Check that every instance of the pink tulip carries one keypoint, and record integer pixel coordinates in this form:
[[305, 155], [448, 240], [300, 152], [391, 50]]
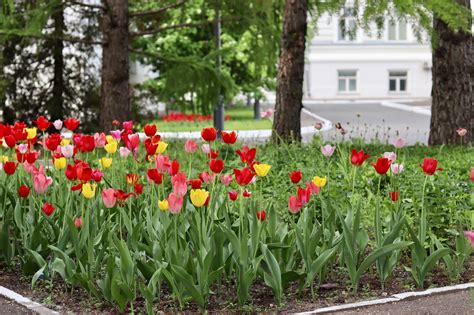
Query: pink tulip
[[116, 134], [23, 148], [41, 182], [100, 140], [124, 152], [67, 151], [108, 197], [399, 142], [206, 177], [397, 168], [226, 179], [29, 168], [58, 124], [180, 184], [190, 146], [294, 205], [470, 236], [392, 156], [472, 174], [162, 163], [175, 203], [128, 125], [327, 150], [314, 190], [461, 131], [267, 114], [206, 148]]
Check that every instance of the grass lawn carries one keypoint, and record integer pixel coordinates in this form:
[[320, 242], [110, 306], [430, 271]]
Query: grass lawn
[[241, 119]]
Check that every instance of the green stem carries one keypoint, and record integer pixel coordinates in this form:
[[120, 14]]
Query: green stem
[[423, 223]]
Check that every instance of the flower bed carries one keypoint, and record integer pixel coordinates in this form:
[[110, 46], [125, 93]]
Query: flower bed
[[125, 219]]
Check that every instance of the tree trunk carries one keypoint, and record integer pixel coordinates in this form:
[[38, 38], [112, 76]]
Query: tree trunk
[[115, 96], [56, 103], [452, 95], [289, 94]]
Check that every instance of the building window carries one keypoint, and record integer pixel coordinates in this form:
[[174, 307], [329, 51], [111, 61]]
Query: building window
[[397, 81], [347, 25], [397, 30], [347, 80]]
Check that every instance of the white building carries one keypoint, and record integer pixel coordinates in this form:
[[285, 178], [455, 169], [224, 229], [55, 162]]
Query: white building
[[345, 63]]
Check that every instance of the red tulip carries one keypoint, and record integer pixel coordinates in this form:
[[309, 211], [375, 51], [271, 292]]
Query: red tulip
[[195, 183], [42, 123], [23, 191], [394, 195], [303, 195], [121, 195], [429, 166], [128, 125], [295, 176], [244, 176], [78, 222], [472, 174], [53, 141], [294, 205], [71, 172], [213, 154], [155, 176], [83, 172], [247, 155], [174, 168], [216, 166], [358, 157], [382, 166], [209, 134], [138, 188], [150, 130], [9, 167], [246, 193], [150, 147], [261, 215], [10, 141], [229, 137], [97, 175], [48, 209], [72, 123], [233, 194]]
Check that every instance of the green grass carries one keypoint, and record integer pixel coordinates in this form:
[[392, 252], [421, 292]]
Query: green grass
[[241, 119]]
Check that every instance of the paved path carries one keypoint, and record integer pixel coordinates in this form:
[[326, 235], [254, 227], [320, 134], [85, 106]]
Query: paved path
[[459, 302], [372, 121], [9, 307]]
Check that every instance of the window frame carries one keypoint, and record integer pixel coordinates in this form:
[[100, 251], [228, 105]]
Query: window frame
[[396, 25], [347, 79], [398, 78]]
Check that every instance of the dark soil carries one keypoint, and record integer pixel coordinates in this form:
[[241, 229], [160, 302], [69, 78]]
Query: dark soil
[[57, 295]]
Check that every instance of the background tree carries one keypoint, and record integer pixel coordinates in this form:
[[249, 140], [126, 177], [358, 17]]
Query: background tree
[[452, 95]]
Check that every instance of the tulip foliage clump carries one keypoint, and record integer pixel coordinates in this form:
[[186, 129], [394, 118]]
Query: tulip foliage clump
[[128, 215]]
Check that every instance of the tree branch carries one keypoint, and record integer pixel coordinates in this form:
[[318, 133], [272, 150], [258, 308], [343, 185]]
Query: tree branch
[[171, 27], [87, 5], [69, 39], [154, 12]]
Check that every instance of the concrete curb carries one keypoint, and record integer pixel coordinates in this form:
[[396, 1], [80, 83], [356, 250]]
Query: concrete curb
[[394, 298], [25, 302], [407, 108]]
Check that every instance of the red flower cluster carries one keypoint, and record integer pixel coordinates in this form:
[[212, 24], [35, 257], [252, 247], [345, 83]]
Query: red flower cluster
[[177, 116]]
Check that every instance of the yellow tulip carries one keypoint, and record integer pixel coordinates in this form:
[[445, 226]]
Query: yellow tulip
[[31, 133], [262, 169], [111, 147], [161, 147], [60, 163], [88, 190], [319, 181], [105, 162], [163, 205], [3, 158], [199, 197], [109, 138], [65, 142]]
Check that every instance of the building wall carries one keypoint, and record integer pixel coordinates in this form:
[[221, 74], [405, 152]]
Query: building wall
[[373, 55]]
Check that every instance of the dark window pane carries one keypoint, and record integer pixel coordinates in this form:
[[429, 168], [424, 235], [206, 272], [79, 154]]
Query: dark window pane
[[392, 85]]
